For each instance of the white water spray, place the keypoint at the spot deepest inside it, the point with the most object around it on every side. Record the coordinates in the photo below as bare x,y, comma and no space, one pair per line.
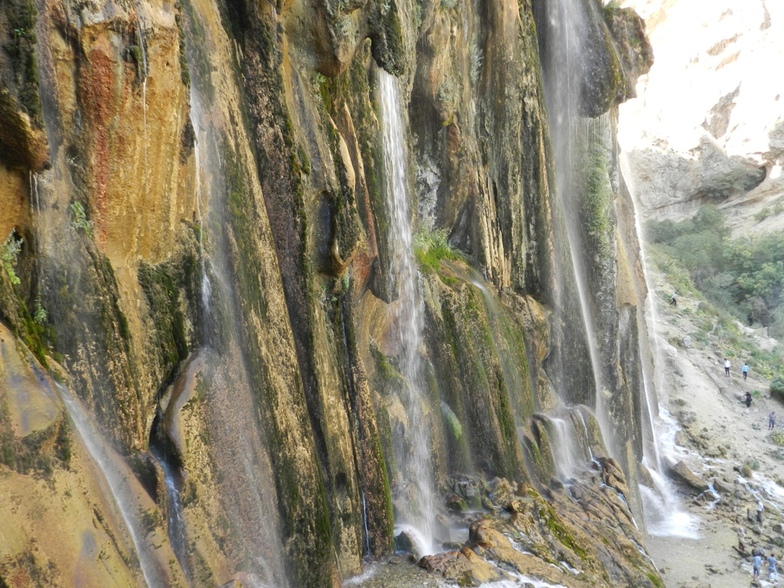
403,275
664,514
565,449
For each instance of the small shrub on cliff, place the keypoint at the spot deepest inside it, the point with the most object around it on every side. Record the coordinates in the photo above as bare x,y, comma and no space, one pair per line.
431,247
79,218
40,315
10,254
777,389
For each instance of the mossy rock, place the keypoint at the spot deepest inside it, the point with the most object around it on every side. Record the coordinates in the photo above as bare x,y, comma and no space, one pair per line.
386,33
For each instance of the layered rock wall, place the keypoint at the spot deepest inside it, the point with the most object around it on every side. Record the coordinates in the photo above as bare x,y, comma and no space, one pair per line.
198,250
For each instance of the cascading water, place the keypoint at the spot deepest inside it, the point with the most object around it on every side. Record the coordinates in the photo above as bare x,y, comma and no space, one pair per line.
175,524
35,196
564,34
413,452
242,462
61,261
664,513
565,447
513,378
206,286
116,474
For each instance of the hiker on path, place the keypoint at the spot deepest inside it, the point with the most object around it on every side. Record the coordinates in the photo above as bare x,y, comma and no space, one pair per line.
756,563
674,298
773,574
772,420
745,370
741,539
727,367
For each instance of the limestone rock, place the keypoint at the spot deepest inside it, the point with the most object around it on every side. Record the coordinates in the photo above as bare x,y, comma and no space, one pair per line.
681,472
463,566
21,143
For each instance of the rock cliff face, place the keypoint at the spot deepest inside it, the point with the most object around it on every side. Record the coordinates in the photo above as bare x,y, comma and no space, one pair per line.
201,378
723,145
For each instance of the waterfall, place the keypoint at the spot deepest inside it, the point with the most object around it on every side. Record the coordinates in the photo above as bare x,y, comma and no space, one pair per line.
412,453
664,513
206,286
35,196
565,448
117,477
564,35
238,445
175,524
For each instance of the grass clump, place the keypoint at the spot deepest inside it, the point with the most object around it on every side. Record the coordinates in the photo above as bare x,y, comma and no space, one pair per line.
430,247
79,218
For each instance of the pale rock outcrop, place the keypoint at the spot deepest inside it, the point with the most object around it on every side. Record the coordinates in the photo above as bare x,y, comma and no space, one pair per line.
705,126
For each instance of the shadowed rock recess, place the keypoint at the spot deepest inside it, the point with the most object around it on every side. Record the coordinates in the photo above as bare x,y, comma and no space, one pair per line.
204,373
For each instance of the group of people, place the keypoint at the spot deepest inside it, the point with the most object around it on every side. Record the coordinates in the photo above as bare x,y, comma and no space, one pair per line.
756,565
744,370
757,555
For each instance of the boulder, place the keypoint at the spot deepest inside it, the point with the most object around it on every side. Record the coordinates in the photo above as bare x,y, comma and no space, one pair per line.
464,567
681,473
455,504
405,543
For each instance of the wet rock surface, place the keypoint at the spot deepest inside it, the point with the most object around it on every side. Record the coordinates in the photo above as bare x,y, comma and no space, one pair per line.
580,535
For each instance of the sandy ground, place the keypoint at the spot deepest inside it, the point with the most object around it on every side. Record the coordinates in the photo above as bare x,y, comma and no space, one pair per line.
719,434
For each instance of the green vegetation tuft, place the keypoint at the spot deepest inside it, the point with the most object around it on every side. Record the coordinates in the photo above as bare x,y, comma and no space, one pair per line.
21,49
10,255
597,207
655,580
430,247
79,218
777,388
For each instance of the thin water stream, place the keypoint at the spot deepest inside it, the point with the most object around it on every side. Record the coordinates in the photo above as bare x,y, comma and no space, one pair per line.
665,515
143,74
175,524
238,445
413,452
563,69
117,477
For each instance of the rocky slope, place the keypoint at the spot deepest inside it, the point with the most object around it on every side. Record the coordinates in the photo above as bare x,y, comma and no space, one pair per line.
202,374
728,457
